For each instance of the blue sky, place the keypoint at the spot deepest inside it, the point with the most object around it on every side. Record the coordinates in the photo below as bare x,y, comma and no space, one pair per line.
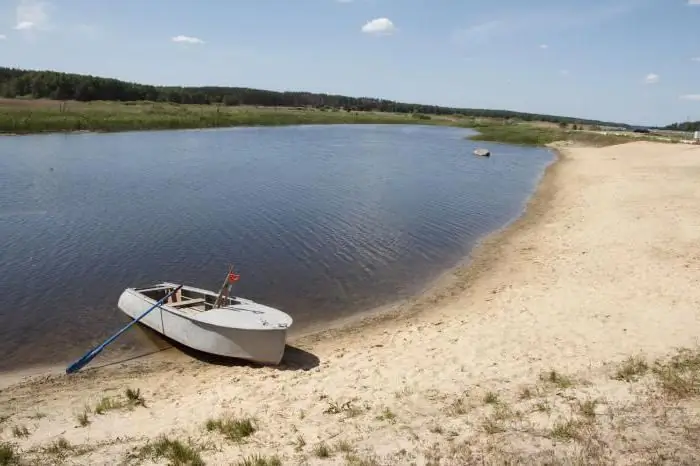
636,61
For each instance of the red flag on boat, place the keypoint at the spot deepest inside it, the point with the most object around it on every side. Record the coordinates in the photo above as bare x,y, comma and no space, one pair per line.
232,277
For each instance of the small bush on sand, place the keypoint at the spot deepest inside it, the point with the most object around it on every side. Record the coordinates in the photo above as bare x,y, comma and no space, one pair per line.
20,431
631,369
566,430
258,460
322,451
107,404
491,398
134,397
176,452
555,378
233,429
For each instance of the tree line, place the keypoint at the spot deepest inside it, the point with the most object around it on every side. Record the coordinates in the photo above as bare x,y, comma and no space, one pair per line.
688,126
18,83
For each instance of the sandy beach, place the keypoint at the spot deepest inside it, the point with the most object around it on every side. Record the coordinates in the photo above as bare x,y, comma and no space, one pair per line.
558,343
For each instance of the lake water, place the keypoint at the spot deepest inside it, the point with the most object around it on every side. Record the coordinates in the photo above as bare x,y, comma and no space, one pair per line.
320,221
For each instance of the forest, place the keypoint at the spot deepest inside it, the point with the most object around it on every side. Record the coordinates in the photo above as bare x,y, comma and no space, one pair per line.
685,126
18,83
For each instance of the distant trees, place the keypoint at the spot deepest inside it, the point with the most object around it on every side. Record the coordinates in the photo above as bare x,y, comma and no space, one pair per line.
16,83
688,126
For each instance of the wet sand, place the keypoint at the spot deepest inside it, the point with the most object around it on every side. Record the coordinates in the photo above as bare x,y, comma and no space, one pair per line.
603,266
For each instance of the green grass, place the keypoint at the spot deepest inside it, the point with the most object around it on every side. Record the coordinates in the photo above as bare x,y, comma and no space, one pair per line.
108,404
680,377
259,460
134,397
233,429
176,452
532,135
54,116
84,417
566,430
387,415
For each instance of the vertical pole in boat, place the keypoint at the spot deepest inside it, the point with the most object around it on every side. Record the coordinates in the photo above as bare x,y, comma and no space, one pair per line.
217,303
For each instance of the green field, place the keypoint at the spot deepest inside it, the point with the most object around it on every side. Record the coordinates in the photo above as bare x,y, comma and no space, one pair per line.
37,116
29,116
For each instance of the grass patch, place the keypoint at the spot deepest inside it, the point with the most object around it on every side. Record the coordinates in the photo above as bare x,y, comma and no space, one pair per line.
259,460
233,429
59,448
387,415
176,452
543,407
83,417
555,378
346,408
566,430
107,404
134,397
458,407
322,450
8,454
54,116
491,398
526,393
344,446
352,459
631,369
492,426
300,443
587,408
20,431
37,416
529,134
680,376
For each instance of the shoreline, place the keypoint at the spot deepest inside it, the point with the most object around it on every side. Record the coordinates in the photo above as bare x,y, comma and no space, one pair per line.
546,349
439,290
449,283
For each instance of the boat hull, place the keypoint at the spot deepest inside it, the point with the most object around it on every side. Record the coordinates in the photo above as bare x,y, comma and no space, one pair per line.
265,346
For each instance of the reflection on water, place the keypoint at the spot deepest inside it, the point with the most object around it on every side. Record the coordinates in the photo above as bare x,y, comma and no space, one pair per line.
320,221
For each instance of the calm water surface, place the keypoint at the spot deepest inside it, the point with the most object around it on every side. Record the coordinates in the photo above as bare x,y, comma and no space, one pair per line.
320,221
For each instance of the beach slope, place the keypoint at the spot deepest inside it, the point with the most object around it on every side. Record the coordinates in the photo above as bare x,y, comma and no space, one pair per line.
557,343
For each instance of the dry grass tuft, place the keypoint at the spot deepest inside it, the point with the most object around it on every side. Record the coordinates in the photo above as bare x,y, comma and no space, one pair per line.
233,429
631,369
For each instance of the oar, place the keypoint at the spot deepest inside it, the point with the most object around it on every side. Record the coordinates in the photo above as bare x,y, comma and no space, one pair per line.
89,356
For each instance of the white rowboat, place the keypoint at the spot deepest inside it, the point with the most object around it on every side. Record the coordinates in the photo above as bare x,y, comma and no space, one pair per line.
238,328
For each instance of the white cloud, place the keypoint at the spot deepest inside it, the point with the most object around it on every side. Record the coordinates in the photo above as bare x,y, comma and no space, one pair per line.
652,78
379,26
187,39
3,37
544,46
564,72
32,15
691,97
693,2
24,25
344,1
695,59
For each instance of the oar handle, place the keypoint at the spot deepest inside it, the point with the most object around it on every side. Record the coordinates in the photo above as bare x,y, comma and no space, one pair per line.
90,355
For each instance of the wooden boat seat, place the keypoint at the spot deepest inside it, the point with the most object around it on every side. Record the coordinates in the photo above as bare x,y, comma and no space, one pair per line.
187,302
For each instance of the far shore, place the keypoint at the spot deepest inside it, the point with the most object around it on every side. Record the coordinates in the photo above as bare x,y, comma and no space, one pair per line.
558,343
30,117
